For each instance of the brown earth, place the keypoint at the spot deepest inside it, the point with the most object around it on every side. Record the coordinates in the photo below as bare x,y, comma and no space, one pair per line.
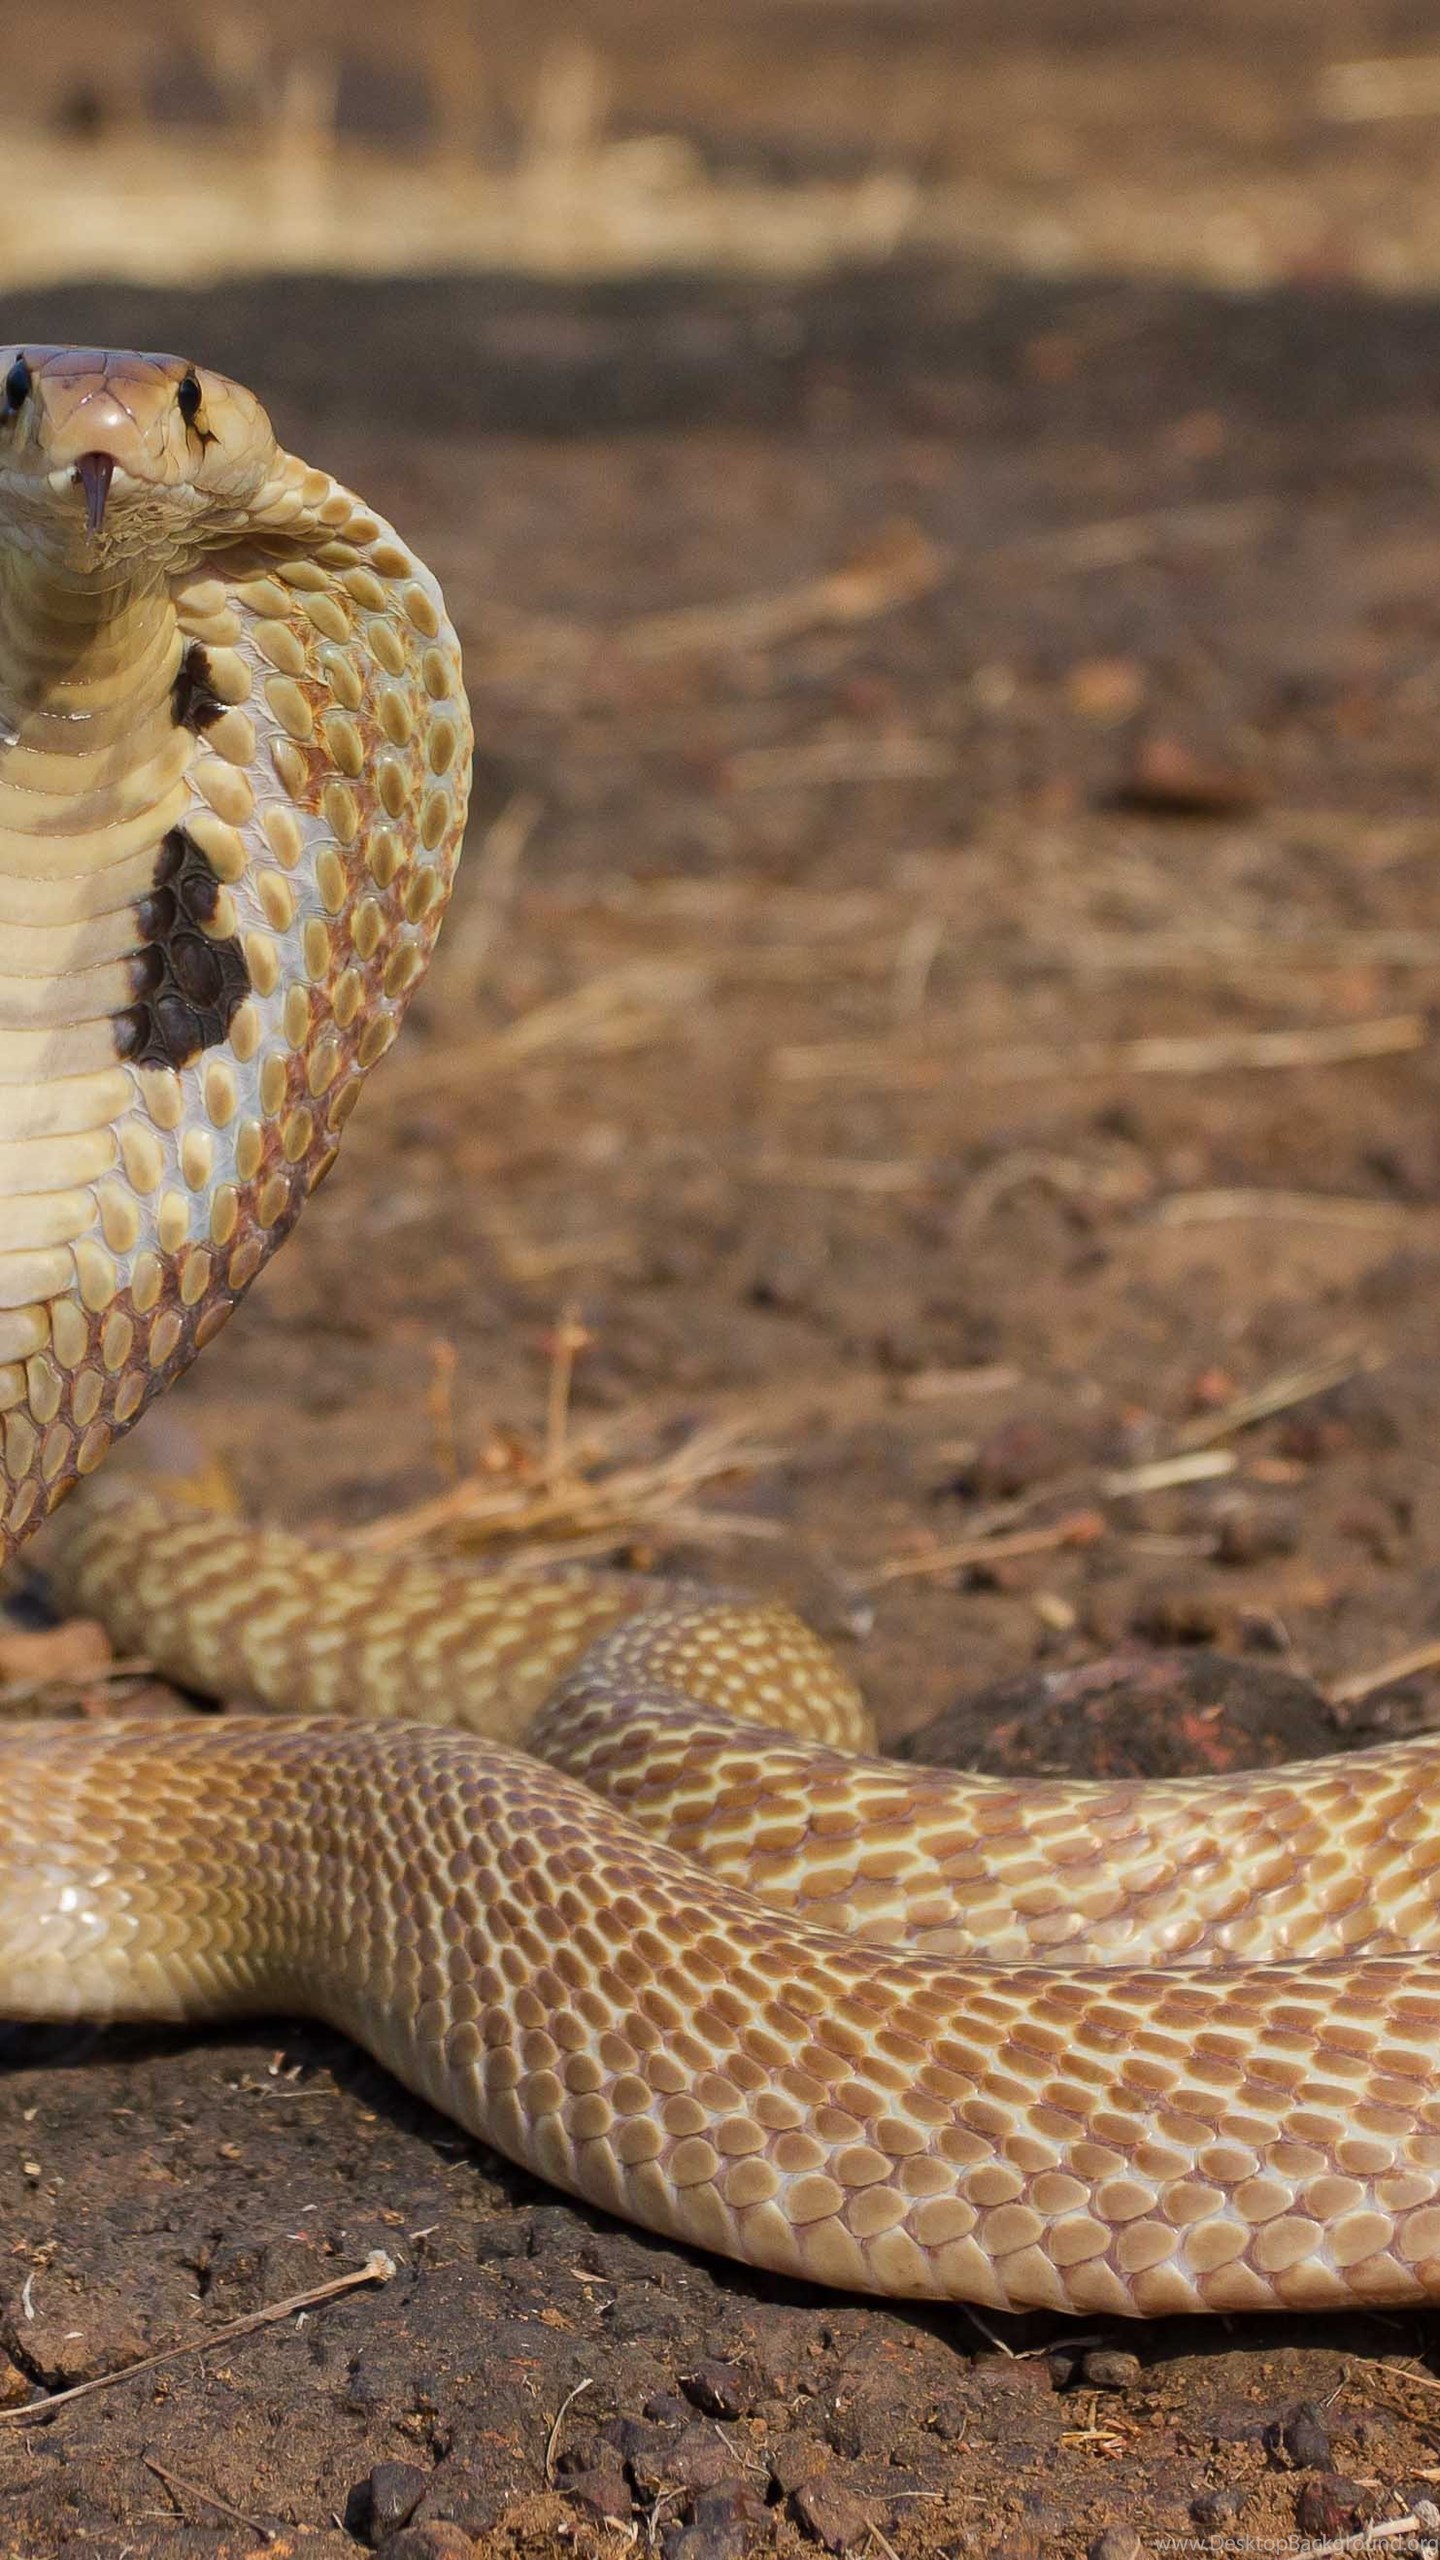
860,1129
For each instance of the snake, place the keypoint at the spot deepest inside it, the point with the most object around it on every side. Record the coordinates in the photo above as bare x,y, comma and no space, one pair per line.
604,1866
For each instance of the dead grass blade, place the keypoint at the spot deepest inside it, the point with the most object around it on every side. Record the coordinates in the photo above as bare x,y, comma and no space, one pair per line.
468,943
570,1499
1203,1053
813,763
1291,1387
1197,951
624,1008
1076,1529
878,1178
1399,1666
378,2269
1114,542
1299,1208
175,2480
1157,1475
899,565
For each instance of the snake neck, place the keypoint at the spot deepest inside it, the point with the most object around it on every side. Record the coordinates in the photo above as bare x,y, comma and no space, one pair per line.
85,676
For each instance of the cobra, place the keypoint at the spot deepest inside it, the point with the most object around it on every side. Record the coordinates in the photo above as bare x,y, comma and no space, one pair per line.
599,1866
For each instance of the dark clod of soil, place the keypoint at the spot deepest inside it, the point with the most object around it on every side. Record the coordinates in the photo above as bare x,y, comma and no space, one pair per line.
1133,1714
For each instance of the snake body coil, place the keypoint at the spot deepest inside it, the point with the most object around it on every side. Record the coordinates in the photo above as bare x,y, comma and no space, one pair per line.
1121,2049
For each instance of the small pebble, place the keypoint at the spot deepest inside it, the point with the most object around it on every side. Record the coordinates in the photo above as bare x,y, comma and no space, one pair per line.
1303,2436
1251,1532
1015,1456
720,2390
1327,2509
830,2514
1217,2506
1176,775
950,2420
733,2502
1111,2368
15,2384
794,2458
384,2500
1118,2542
667,2409
665,2458
436,2541
704,2542
603,2496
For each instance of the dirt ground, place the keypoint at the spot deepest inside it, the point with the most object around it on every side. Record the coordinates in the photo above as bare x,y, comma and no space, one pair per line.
944,982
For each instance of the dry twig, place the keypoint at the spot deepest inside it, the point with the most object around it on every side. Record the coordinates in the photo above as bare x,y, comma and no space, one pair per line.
897,566
621,1009
1291,1387
1302,1208
208,2498
1394,2529
552,2440
847,756
1076,1529
1400,1666
1222,950
580,1509
878,1178
378,2269
1113,542
469,940
1193,1466
1163,1054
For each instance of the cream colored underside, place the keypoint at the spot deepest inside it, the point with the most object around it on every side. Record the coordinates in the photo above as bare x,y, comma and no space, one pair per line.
110,1174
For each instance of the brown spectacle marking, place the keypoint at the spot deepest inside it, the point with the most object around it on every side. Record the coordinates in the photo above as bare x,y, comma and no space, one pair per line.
188,983
194,701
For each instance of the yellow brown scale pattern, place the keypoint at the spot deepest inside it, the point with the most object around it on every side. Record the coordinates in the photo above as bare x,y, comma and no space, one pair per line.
1100,2049
1324,1859
1095,2140
288,1623
644,1691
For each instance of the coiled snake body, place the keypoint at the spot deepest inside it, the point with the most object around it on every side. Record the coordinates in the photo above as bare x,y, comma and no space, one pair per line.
1128,2049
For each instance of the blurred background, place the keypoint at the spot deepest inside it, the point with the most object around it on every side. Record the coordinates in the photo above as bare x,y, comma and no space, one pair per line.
594,137
929,1095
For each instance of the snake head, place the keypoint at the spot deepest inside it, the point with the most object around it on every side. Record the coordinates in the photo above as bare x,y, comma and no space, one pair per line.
125,457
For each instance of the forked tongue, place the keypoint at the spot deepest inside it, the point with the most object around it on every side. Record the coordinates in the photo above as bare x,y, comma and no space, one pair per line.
95,471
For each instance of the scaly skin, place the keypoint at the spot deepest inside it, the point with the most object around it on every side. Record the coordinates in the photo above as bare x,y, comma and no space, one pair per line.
219,879
234,752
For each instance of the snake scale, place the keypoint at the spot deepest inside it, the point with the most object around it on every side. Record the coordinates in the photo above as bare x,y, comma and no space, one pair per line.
690,1953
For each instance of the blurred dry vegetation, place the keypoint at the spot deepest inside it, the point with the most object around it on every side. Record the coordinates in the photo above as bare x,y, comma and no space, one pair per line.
1231,145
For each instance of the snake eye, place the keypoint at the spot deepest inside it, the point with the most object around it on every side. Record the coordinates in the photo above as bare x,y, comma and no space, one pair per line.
188,399
17,385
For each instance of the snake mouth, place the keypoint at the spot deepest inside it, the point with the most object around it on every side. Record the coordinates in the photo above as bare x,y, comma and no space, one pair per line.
94,473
